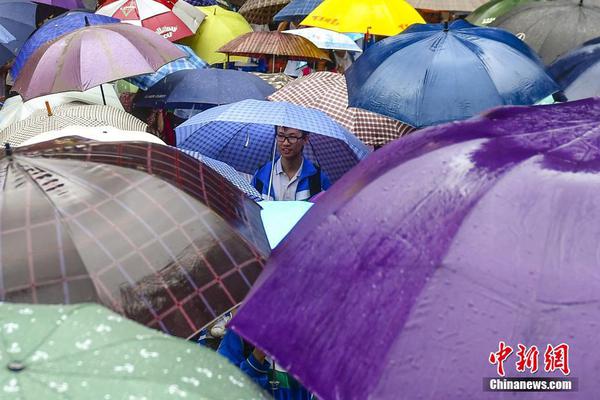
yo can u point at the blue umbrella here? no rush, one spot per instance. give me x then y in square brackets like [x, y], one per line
[242, 135]
[296, 10]
[192, 61]
[199, 87]
[18, 19]
[202, 3]
[434, 73]
[578, 71]
[54, 28]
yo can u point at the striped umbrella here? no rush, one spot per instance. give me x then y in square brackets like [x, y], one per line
[173, 19]
[67, 115]
[255, 44]
[326, 91]
[261, 11]
[296, 10]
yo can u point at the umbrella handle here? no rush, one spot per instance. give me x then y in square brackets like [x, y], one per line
[272, 165]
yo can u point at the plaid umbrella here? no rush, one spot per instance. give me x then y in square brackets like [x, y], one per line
[255, 44]
[326, 91]
[242, 134]
[277, 80]
[261, 11]
[192, 61]
[296, 10]
[66, 115]
[142, 228]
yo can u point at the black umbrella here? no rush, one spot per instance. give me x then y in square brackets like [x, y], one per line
[553, 27]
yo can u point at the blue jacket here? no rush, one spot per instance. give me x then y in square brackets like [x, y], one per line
[308, 173]
[232, 348]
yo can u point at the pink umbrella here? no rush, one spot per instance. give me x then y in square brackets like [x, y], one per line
[91, 56]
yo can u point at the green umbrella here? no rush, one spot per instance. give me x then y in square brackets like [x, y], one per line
[88, 352]
[487, 13]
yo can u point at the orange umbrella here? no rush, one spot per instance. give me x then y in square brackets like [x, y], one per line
[261, 11]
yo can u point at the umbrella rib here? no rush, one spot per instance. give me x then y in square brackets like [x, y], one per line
[63, 395]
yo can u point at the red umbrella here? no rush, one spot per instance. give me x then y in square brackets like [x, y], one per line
[142, 228]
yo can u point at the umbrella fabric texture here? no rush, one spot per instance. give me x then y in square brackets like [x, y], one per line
[189, 88]
[447, 5]
[326, 39]
[488, 12]
[97, 133]
[172, 20]
[219, 27]
[280, 217]
[277, 80]
[552, 28]
[191, 61]
[578, 71]
[88, 352]
[142, 228]
[296, 10]
[255, 44]
[453, 85]
[54, 28]
[377, 17]
[230, 174]
[202, 3]
[15, 110]
[18, 18]
[261, 11]
[242, 135]
[67, 115]
[66, 4]
[136, 51]
[432, 251]
[326, 91]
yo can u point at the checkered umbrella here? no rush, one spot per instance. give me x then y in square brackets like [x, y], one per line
[261, 11]
[139, 227]
[296, 10]
[326, 91]
[67, 115]
[242, 135]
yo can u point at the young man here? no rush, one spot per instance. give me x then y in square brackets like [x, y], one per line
[294, 177]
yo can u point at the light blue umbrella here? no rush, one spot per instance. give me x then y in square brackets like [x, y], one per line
[296, 10]
[192, 61]
[326, 39]
[242, 135]
[279, 217]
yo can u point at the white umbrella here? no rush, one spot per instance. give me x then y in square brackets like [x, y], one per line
[99, 133]
[326, 39]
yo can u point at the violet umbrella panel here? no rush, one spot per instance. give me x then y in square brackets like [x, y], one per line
[404, 277]
[141, 228]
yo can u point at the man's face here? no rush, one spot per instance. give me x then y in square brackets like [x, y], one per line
[285, 136]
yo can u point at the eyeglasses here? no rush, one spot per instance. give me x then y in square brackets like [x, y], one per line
[290, 139]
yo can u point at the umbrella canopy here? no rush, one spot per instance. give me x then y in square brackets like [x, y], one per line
[494, 241]
[326, 91]
[243, 135]
[280, 217]
[552, 28]
[447, 5]
[54, 28]
[326, 39]
[97, 133]
[192, 61]
[86, 351]
[173, 20]
[277, 80]
[261, 11]
[51, 67]
[201, 87]
[67, 115]
[18, 20]
[15, 110]
[377, 17]
[274, 43]
[139, 227]
[219, 27]
[66, 4]
[488, 12]
[296, 10]
[453, 85]
[578, 71]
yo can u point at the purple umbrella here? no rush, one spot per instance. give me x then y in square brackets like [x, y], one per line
[66, 4]
[91, 56]
[409, 271]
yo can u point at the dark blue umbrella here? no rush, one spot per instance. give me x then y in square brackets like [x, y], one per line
[200, 87]
[54, 28]
[434, 73]
[578, 72]
[18, 18]
[296, 10]
[202, 3]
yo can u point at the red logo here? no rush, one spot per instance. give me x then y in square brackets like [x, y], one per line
[555, 358]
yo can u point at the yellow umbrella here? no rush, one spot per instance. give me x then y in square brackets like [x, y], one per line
[376, 17]
[219, 27]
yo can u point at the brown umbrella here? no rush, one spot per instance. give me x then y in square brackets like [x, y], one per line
[326, 91]
[139, 227]
[255, 44]
[447, 5]
[261, 11]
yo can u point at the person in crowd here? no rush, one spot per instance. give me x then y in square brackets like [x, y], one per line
[294, 177]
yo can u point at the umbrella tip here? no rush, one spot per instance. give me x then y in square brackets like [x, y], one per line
[446, 25]
[8, 150]
[87, 21]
